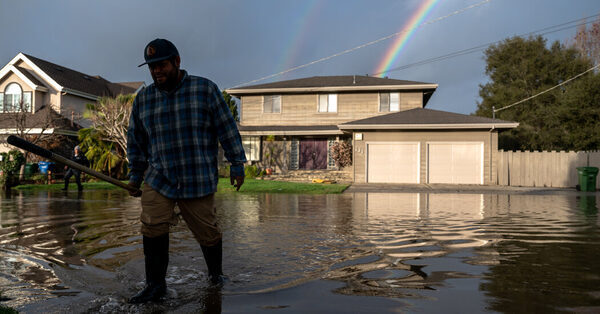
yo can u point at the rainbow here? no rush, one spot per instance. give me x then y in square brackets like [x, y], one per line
[305, 19]
[404, 35]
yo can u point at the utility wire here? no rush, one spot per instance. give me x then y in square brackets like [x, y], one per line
[481, 47]
[547, 90]
[365, 45]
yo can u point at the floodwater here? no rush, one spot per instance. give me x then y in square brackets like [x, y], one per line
[351, 253]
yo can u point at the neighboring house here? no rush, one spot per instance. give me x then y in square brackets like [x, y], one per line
[40, 96]
[291, 125]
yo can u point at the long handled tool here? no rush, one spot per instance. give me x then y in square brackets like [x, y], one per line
[30, 147]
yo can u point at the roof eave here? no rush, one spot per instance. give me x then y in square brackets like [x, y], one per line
[428, 126]
[253, 91]
[80, 94]
[291, 133]
[27, 131]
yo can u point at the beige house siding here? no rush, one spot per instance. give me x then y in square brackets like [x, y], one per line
[73, 104]
[40, 99]
[411, 101]
[489, 140]
[55, 101]
[301, 109]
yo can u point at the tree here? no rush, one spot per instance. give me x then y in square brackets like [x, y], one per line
[10, 163]
[105, 142]
[110, 117]
[232, 106]
[36, 127]
[587, 41]
[558, 120]
[102, 154]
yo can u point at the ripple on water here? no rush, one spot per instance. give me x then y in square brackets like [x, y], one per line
[416, 247]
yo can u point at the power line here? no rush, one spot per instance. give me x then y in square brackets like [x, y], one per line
[483, 46]
[364, 45]
[540, 93]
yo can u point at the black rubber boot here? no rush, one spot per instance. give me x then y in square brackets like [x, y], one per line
[66, 185]
[156, 252]
[78, 181]
[213, 255]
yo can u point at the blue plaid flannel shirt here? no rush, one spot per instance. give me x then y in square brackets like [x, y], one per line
[172, 138]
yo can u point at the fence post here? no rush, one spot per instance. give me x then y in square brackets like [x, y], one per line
[511, 166]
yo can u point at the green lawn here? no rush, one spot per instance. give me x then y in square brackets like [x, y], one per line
[250, 186]
[267, 186]
[7, 310]
[88, 185]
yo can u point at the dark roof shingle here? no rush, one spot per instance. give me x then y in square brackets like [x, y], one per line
[74, 80]
[425, 116]
[331, 81]
[29, 75]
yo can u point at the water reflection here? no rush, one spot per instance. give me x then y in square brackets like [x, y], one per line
[406, 251]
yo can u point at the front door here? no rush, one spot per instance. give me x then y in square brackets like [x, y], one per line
[313, 154]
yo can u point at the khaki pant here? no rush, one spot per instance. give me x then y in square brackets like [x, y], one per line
[158, 213]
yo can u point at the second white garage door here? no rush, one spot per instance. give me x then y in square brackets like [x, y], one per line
[458, 163]
[393, 162]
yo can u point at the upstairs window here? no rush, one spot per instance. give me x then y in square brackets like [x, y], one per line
[272, 104]
[328, 103]
[389, 102]
[14, 99]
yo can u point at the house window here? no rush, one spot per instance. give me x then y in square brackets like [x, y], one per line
[272, 104]
[13, 98]
[328, 103]
[389, 102]
[251, 147]
[330, 161]
[294, 153]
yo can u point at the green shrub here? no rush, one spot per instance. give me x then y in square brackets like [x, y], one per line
[10, 165]
[39, 178]
[7, 310]
[251, 172]
[224, 172]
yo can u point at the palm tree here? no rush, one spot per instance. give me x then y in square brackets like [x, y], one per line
[103, 155]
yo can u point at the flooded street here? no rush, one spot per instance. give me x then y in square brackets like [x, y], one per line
[358, 252]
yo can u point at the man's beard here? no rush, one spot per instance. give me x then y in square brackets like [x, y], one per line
[170, 82]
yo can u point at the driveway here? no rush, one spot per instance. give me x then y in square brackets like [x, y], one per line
[460, 188]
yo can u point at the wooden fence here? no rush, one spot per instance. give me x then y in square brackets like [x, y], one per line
[543, 169]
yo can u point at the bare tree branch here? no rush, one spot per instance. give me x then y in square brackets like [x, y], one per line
[110, 116]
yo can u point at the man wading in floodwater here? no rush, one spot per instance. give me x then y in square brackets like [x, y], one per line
[172, 146]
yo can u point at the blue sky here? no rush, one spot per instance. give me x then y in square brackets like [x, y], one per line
[235, 41]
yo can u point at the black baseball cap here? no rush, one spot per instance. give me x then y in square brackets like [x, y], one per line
[159, 50]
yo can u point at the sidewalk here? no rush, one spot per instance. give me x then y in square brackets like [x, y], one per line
[460, 188]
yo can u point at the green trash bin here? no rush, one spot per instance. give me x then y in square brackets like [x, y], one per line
[587, 178]
[30, 168]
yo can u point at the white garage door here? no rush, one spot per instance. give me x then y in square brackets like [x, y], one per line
[459, 163]
[393, 162]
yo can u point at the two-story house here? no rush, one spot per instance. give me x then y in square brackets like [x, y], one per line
[290, 125]
[40, 96]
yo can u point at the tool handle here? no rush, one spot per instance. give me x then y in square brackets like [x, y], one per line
[28, 146]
